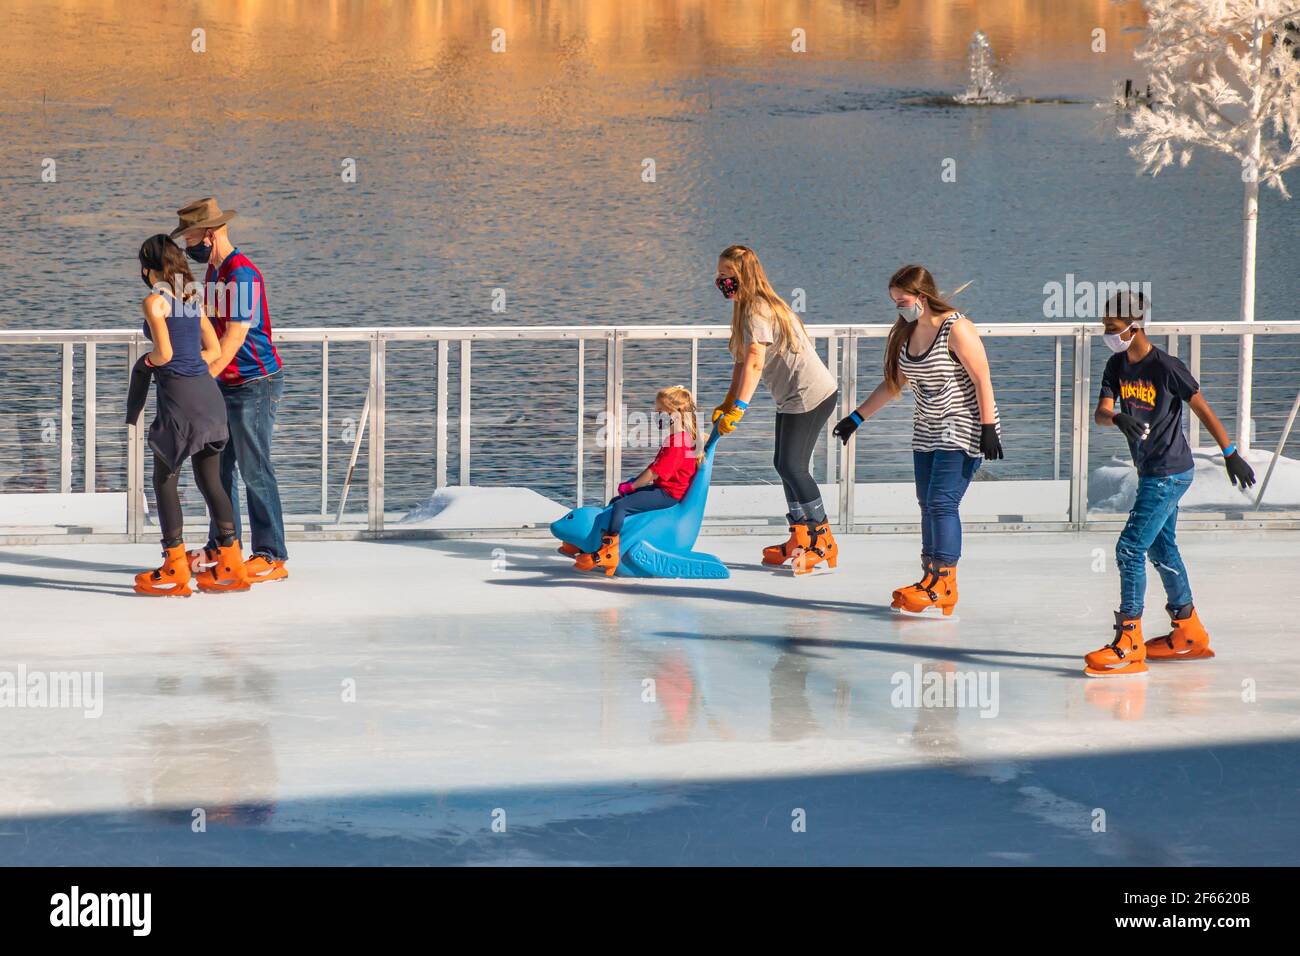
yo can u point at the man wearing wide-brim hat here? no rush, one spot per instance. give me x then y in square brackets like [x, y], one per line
[251, 379]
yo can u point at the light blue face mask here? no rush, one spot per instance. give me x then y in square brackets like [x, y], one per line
[911, 312]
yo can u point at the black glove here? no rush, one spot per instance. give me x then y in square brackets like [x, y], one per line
[1134, 430]
[990, 443]
[137, 392]
[847, 426]
[1239, 470]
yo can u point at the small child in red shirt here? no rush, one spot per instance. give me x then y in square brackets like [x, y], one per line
[661, 485]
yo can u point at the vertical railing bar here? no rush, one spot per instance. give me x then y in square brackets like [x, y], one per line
[832, 457]
[380, 435]
[1194, 423]
[582, 384]
[65, 423]
[1079, 445]
[1074, 428]
[324, 425]
[1173, 345]
[440, 443]
[619, 339]
[92, 424]
[848, 453]
[610, 427]
[1085, 422]
[1056, 415]
[464, 411]
[378, 346]
[695, 368]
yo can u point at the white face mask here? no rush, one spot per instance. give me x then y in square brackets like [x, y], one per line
[911, 312]
[1115, 341]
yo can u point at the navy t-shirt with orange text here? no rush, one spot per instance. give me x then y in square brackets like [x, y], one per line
[1153, 391]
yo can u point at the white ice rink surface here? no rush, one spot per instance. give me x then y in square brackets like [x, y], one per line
[659, 722]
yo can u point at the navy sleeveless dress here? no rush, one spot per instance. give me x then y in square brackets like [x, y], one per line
[191, 413]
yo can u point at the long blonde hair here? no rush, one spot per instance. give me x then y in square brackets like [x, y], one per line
[678, 401]
[754, 288]
[914, 280]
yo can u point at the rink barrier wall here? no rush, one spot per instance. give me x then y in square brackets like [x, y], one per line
[841, 344]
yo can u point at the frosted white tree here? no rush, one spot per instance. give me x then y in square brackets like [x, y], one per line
[1224, 76]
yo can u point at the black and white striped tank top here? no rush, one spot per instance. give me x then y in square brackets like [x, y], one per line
[947, 410]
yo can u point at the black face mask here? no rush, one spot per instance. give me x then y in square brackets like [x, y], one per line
[200, 252]
[728, 286]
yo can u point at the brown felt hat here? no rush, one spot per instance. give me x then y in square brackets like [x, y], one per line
[201, 214]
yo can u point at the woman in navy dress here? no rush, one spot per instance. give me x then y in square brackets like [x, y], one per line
[190, 420]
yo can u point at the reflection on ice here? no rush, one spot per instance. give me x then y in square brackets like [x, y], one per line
[612, 721]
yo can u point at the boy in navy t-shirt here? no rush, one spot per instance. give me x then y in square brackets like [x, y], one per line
[1150, 387]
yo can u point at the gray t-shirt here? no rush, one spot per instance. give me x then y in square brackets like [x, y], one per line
[799, 381]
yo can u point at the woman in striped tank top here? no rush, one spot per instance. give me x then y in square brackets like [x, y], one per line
[936, 351]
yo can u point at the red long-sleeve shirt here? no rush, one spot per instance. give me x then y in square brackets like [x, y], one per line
[675, 465]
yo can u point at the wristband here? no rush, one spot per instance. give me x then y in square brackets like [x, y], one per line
[1230, 450]
[741, 405]
[857, 419]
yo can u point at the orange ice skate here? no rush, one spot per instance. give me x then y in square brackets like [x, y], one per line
[227, 574]
[778, 554]
[1186, 641]
[1123, 657]
[821, 547]
[605, 558]
[259, 569]
[935, 595]
[172, 579]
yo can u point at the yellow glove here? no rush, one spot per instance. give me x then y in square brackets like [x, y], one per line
[726, 422]
[724, 407]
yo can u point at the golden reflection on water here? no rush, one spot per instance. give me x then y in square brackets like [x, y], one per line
[390, 63]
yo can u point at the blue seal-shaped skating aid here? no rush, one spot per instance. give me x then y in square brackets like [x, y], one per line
[654, 544]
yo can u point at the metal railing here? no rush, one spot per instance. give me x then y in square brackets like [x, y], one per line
[841, 342]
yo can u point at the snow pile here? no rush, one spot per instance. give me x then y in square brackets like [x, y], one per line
[1112, 488]
[470, 507]
[77, 510]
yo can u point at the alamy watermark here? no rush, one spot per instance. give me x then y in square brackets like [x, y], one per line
[938, 689]
[53, 690]
[125, 910]
[231, 299]
[642, 429]
[1086, 299]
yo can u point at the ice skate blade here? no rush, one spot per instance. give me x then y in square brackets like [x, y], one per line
[930, 614]
[171, 592]
[815, 572]
[219, 589]
[1204, 655]
[1127, 670]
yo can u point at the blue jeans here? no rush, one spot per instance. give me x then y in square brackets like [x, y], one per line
[942, 478]
[250, 412]
[1150, 533]
[649, 498]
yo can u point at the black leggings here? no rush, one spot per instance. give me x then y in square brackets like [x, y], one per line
[796, 437]
[207, 475]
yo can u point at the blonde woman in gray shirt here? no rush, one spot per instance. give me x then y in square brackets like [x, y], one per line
[770, 345]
